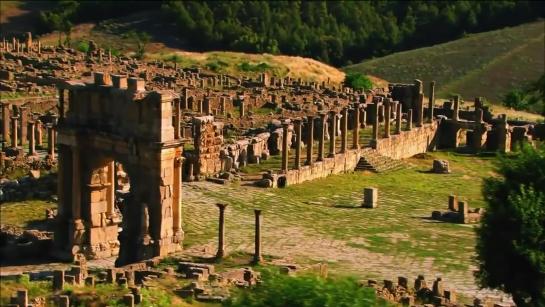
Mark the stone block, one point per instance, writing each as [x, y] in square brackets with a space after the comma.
[370, 197]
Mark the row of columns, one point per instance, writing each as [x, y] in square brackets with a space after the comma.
[221, 234]
[333, 121]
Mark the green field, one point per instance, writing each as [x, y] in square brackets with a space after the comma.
[486, 64]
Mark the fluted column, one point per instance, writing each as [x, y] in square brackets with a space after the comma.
[32, 139]
[333, 128]
[310, 139]
[221, 231]
[431, 102]
[285, 149]
[257, 253]
[14, 133]
[297, 124]
[387, 115]
[375, 121]
[356, 130]
[323, 118]
[344, 130]
[399, 116]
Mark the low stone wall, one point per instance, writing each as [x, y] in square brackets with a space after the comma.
[341, 163]
[409, 143]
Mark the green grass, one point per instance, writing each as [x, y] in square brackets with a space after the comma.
[400, 227]
[22, 214]
[486, 64]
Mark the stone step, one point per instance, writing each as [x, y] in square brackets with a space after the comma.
[371, 160]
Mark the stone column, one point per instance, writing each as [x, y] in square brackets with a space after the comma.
[420, 105]
[24, 125]
[285, 149]
[221, 232]
[375, 121]
[363, 118]
[257, 252]
[51, 141]
[410, 119]
[32, 141]
[5, 122]
[199, 106]
[110, 197]
[387, 115]
[356, 130]
[297, 124]
[39, 133]
[344, 130]
[76, 184]
[456, 108]
[310, 139]
[322, 137]
[242, 109]
[431, 102]
[14, 136]
[332, 133]
[177, 118]
[399, 116]
[177, 199]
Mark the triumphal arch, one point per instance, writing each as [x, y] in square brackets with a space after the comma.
[113, 122]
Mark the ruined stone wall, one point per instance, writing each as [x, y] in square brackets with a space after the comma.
[208, 142]
[409, 143]
[340, 163]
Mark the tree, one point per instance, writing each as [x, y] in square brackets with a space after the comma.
[140, 39]
[511, 239]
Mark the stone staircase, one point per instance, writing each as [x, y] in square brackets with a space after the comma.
[372, 161]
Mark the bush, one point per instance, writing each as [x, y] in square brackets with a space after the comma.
[358, 81]
[307, 290]
[83, 46]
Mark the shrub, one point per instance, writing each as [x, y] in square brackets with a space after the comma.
[358, 81]
[307, 290]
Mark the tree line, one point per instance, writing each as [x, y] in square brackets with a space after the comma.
[335, 32]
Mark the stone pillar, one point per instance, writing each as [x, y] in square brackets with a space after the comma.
[431, 102]
[344, 130]
[76, 184]
[206, 106]
[177, 118]
[242, 108]
[370, 198]
[51, 141]
[39, 133]
[257, 252]
[363, 118]
[32, 140]
[420, 106]
[199, 106]
[177, 206]
[110, 197]
[410, 119]
[332, 133]
[387, 115]
[285, 149]
[221, 232]
[24, 125]
[399, 116]
[321, 148]
[375, 121]
[310, 139]
[5, 122]
[297, 125]
[14, 136]
[356, 130]
[456, 108]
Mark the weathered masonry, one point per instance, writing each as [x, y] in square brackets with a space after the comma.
[115, 120]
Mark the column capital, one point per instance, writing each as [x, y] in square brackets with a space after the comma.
[221, 206]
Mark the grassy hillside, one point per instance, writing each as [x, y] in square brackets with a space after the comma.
[109, 35]
[486, 64]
